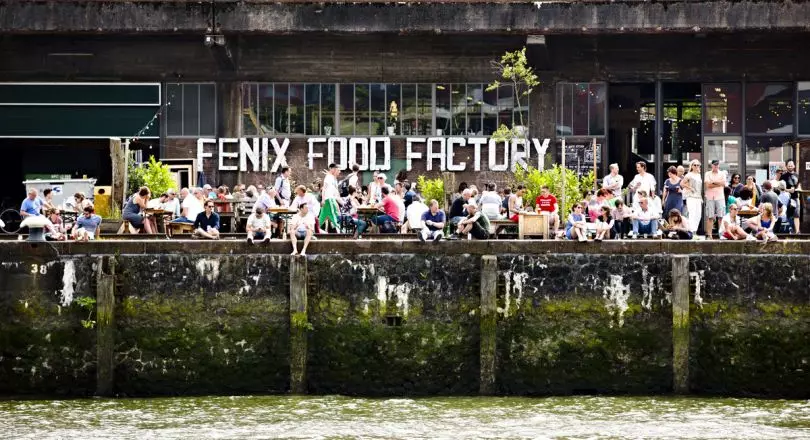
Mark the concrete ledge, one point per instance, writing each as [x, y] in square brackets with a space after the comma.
[439, 17]
[17, 250]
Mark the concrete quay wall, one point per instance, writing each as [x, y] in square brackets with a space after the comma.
[403, 318]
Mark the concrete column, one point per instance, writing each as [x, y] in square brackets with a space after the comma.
[299, 325]
[680, 323]
[105, 325]
[230, 98]
[118, 156]
[489, 290]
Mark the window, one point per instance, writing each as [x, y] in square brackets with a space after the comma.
[581, 109]
[769, 108]
[723, 108]
[764, 154]
[366, 109]
[804, 108]
[191, 110]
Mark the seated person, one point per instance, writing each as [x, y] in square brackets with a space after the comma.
[433, 220]
[413, 215]
[621, 218]
[763, 224]
[730, 228]
[300, 227]
[258, 226]
[133, 210]
[47, 201]
[206, 224]
[56, 220]
[490, 202]
[575, 227]
[676, 228]
[476, 224]
[604, 224]
[191, 206]
[32, 205]
[390, 209]
[546, 204]
[86, 225]
[644, 220]
[457, 212]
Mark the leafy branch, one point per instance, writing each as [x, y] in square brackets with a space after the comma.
[513, 69]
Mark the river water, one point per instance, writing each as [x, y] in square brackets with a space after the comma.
[335, 417]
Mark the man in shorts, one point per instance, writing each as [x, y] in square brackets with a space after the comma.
[715, 181]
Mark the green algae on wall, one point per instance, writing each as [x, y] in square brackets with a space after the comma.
[211, 325]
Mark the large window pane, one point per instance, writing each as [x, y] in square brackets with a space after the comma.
[191, 109]
[475, 101]
[208, 109]
[631, 134]
[346, 109]
[727, 151]
[393, 99]
[328, 108]
[764, 154]
[490, 110]
[597, 104]
[769, 108]
[804, 108]
[408, 109]
[281, 115]
[443, 114]
[312, 116]
[579, 109]
[262, 119]
[681, 123]
[174, 110]
[361, 109]
[723, 108]
[378, 109]
[296, 109]
[506, 104]
[458, 97]
[424, 105]
[565, 123]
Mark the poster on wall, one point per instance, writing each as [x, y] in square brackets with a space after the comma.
[579, 155]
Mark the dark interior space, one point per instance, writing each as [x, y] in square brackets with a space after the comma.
[25, 158]
[631, 126]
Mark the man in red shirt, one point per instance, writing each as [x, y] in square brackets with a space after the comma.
[547, 203]
[391, 211]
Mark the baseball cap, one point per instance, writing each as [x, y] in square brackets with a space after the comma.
[715, 162]
[382, 176]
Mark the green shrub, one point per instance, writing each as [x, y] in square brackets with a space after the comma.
[154, 175]
[575, 186]
[431, 189]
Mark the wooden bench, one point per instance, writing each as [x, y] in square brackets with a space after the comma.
[178, 228]
[127, 228]
[497, 226]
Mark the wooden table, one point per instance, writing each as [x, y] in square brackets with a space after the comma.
[284, 213]
[179, 227]
[532, 225]
[160, 216]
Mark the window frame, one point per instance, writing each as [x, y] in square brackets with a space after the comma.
[171, 103]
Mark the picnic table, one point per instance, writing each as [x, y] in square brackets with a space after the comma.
[533, 224]
[367, 212]
[227, 210]
[284, 213]
[160, 216]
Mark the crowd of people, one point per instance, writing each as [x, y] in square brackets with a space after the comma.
[687, 200]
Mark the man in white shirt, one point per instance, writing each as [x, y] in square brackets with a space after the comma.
[300, 227]
[614, 181]
[644, 219]
[172, 204]
[330, 194]
[643, 181]
[191, 206]
[282, 185]
[354, 177]
[692, 185]
[258, 225]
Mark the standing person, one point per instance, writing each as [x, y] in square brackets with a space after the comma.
[354, 178]
[133, 210]
[546, 204]
[282, 185]
[301, 227]
[692, 185]
[736, 185]
[207, 222]
[792, 186]
[409, 194]
[330, 195]
[673, 197]
[614, 181]
[643, 181]
[258, 226]
[434, 220]
[715, 198]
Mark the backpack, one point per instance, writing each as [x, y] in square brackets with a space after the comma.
[343, 187]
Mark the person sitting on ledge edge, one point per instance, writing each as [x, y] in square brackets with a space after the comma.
[258, 225]
[301, 226]
[207, 223]
[476, 225]
[86, 226]
[433, 220]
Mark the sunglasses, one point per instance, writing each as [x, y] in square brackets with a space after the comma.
[209, 206]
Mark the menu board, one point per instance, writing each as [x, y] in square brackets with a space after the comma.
[579, 156]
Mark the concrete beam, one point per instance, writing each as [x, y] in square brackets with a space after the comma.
[299, 325]
[489, 316]
[105, 317]
[680, 323]
[452, 17]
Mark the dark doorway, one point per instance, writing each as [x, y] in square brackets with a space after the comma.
[631, 127]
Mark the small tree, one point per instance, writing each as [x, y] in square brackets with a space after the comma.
[153, 175]
[514, 69]
[431, 189]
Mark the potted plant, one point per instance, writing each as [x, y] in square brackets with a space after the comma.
[393, 112]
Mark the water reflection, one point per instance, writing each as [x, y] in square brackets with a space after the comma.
[434, 418]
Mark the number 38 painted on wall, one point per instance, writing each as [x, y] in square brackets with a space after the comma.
[43, 269]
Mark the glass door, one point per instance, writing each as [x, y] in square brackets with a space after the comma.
[726, 149]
